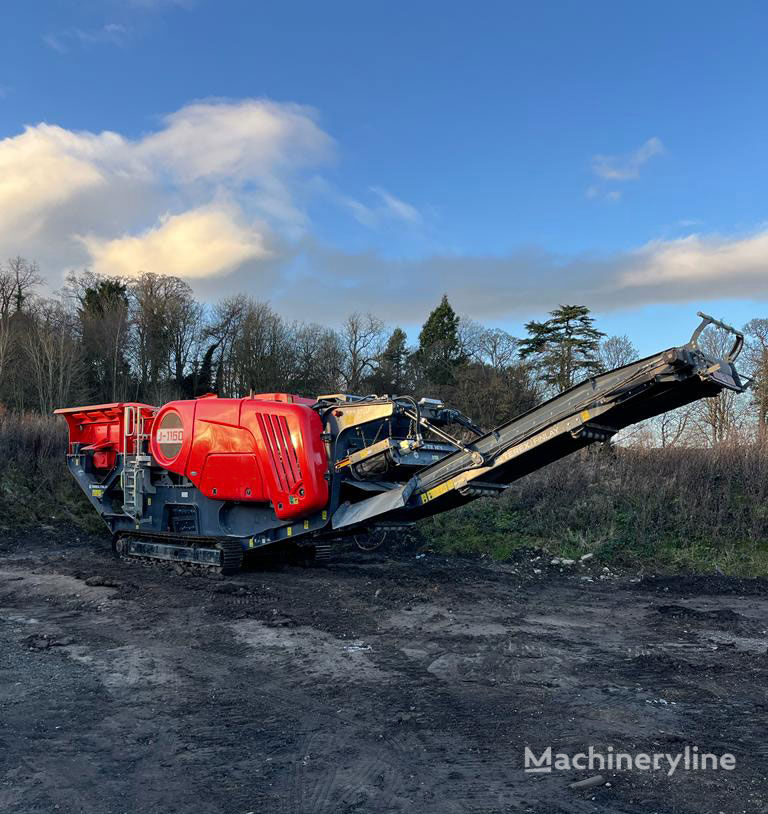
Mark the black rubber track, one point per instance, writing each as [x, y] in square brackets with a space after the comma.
[231, 552]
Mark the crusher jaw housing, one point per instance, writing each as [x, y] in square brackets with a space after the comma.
[205, 481]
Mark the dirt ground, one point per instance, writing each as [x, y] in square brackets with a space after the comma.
[378, 683]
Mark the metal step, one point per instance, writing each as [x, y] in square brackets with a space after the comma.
[133, 437]
[322, 552]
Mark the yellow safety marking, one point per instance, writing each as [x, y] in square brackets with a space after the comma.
[437, 491]
[306, 524]
[97, 492]
[585, 416]
[289, 531]
[250, 542]
[325, 515]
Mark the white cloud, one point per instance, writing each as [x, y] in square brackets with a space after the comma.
[43, 168]
[626, 167]
[108, 34]
[217, 194]
[126, 195]
[241, 142]
[386, 208]
[693, 269]
[198, 243]
[617, 169]
[596, 191]
[706, 261]
[397, 208]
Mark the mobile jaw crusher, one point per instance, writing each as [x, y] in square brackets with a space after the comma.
[202, 482]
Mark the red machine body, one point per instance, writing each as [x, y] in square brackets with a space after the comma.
[101, 427]
[259, 449]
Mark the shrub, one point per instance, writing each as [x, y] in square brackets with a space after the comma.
[35, 485]
[671, 507]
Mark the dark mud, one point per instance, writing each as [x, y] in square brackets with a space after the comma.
[375, 684]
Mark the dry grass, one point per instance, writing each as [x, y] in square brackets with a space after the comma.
[673, 508]
[35, 485]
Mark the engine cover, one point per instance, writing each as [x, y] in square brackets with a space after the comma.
[247, 449]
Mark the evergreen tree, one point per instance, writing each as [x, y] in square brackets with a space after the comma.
[565, 347]
[391, 374]
[440, 351]
[104, 296]
[105, 328]
[200, 380]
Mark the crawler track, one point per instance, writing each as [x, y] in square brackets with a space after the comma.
[204, 556]
[209, 556]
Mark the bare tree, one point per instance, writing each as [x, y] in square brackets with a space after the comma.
[25, 277]
[6, 298]
[18, 280]
[254, 347]
[362, 337]
[224, 329]
[487, 346]
[318, 357]
[498, 348]
[186, 334]
[673, 427]
[166, 324]
[717, 419]
[52, 351]
[616, 351]
[756, 333]
[470, 335]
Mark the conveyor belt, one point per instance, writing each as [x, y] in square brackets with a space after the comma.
[593, 410]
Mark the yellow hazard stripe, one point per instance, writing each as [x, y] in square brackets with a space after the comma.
[437, 491]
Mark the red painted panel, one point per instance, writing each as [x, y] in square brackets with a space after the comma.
[100, 428]
[287, 398]
[232, 476]
[104, 459]
[272, 448]
[219, 439]
[291, 453]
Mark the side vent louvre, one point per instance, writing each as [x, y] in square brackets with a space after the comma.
[282, 453]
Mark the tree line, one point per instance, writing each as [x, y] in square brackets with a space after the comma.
[107, 338]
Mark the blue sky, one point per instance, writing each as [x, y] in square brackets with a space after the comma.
[352, 156]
